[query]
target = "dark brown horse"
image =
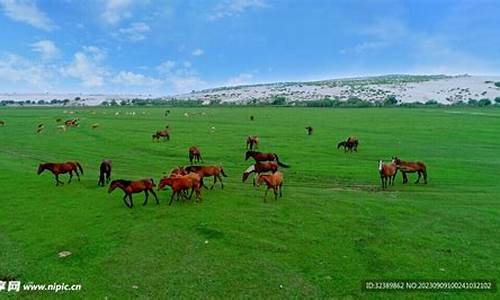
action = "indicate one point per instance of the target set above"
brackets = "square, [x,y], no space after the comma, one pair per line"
[132,187]
[387,173]
[260,156]
[161,133]
[194,154]
[61,168]
[208,171]
[104,172]
[411,167]
[181,184]
[258,168]
[273,181]
[309,130]
[351,144]
[252,142]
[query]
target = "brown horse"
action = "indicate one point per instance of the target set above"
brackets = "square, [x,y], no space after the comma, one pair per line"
[208,171]
[351,144]
[132,187]
[104,172]
[309,130]
[194,154]
[387,173]
[260,167]
[61,168]
[252,142]
[72,122]
[179,171]
[273,181]
[161,133]
[259,156]
[411,167]
[181,184]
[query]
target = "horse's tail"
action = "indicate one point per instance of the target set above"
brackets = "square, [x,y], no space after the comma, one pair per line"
[279,162]
[222,171]
[79,167]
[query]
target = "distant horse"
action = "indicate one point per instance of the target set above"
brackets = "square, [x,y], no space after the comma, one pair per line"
[258,168]
[167,112]
[61,128]
[40,128]
[94,126]
[208,171]
[194,154]
[72,122]
[252,118]
[2,123]
[273,181]
[181,184]
[351,144]
[61,168]
[133,187]
[260,156]
[161,133]
[252,142]
[387,173]
[309,130]
[411,167]
[104,172]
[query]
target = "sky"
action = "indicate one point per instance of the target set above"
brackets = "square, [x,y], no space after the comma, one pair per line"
[170,47]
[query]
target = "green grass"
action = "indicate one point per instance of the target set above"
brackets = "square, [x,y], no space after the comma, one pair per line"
[333,228]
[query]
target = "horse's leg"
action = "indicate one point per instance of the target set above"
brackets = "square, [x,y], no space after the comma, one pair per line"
[58,182]
[145,198]
[191,194]
[220,180]
[281,185]
[265,194]
[405,177]
[125,200]
[154,195]
[70,176]
[382,180]
[419,175]
[425,176]
[275,190]
[171,198]
[131,202]
[203,183]
[77,174]
[215,180]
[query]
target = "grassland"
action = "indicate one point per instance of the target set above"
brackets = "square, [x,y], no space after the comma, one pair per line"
[333,228]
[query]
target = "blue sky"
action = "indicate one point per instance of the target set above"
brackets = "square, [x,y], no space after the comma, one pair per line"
[169,47]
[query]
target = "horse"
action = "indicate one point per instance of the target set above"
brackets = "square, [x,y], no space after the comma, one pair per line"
[94,126]
[2,123]
[72,122]
[61,168]
[260,156]
[309,130]
[132,187]
[411,167]
[252,118]
[179,171]
[161,133]
[252,142]
[194,154]
[61,128]
[387,173]
[207,171]
[273,181]
[259,168]
[40,128]
[104,172]
[182,183]
[349,145]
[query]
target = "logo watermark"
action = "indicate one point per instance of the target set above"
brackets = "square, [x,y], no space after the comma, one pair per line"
[15,286]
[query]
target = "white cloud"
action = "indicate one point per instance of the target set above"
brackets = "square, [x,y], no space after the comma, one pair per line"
[27,12]
[229,8]
[166,66]
[241,79]
[197,52]
[116,10]
[184,84]
[364,47]
[86,67]
[135,32]
[130,78]
[181,77]
[47,49]
[14,68]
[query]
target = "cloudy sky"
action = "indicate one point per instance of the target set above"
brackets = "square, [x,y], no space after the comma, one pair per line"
[168,47]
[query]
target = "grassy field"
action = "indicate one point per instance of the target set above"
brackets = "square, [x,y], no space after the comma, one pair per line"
[333,228]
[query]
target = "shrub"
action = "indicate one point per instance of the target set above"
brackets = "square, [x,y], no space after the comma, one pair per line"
[431,102]
[390,100]
[484,102]
[497,84]
[497,100]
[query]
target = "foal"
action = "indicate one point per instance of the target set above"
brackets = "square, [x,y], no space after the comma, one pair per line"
[132,187]
[387,173]
[104,172]
[273,181]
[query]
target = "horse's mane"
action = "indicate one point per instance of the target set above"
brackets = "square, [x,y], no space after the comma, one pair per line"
[122,181]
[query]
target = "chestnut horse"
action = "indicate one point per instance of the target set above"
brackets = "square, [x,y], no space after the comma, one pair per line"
[387,172]
[194,154]
[349,145]
[133,187]
[259,156]
[259,168]
[252,142]
[104,172]
[411,167]
[181,184]
[208,171]
[161,133]
[273,181]
[61,168]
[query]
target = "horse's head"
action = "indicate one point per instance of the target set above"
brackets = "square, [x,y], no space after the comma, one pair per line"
[340,144]
[380,165]
[396,160]
[163,182]
[113,185]
[249,154]
[41,168]
[245,176]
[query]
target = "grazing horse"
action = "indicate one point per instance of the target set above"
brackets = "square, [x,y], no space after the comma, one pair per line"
[2,123]
[252,142]
[411,167]
[208,171]
[309,130]
[259,168]
[260,156]
[72,122]
[387,173]
[181,184]
[161,133]
[349,145]
[194,154]
[104,172]
[273,181]
[61,168]
[132,187]
[94,126]
[40,128]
